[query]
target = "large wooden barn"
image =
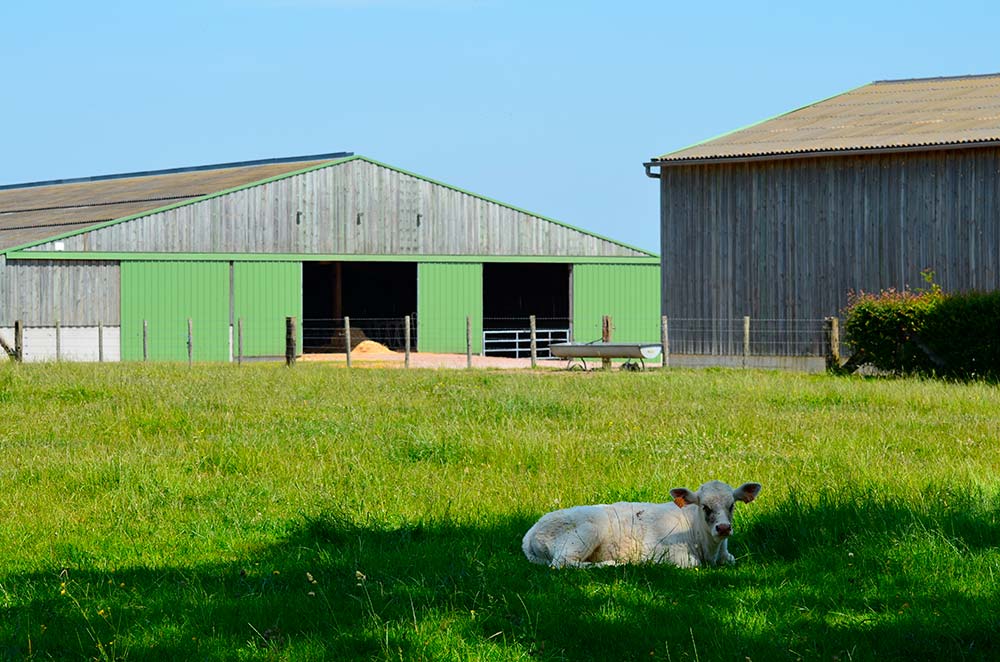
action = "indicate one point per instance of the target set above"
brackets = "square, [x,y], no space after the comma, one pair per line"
[116,266]
[863,191]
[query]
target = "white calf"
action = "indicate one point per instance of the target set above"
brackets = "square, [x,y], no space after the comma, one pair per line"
[690,531]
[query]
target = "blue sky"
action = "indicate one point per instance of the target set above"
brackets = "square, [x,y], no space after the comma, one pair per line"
[549,106]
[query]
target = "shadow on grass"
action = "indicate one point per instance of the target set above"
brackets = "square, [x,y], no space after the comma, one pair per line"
[336,590]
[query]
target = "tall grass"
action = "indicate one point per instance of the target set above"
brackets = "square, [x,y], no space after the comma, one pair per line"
[156,512]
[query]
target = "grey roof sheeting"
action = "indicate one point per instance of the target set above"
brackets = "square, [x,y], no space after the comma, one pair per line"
[884,115]
[35,211]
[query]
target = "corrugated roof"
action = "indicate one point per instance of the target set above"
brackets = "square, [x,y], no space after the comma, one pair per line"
[884,115]
[38,210]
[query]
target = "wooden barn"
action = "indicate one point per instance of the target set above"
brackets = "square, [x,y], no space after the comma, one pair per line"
[122,266]
[862,191]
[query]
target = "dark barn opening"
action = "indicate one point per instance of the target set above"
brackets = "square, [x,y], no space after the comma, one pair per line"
[514,291]
[376,296]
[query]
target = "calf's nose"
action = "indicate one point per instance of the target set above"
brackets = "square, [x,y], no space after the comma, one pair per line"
[724,529]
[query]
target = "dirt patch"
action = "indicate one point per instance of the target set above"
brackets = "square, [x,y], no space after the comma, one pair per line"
[391,359]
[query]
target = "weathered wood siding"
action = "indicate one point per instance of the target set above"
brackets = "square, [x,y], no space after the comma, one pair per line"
[356,207]
[39,292]
[787,240]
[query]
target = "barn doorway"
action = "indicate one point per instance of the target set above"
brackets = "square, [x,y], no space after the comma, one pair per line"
[376,296]
[514,291]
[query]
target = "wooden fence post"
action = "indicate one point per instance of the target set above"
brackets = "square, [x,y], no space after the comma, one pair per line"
[190,342]
[606,333]
[18,341]
[145,340]
[100,342]
[58,342]
[406,341]
[347,338]
[468,341]
[239,341]
[665,342]
[534,341]
[831,337]
[290,338]
[746,340]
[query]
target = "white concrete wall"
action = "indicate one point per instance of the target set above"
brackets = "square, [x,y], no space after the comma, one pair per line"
[76,343]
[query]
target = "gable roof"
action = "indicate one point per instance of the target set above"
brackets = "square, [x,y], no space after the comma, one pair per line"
[890,115]
[36,211]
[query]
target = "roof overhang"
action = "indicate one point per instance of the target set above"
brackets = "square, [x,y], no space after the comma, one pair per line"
[819,154]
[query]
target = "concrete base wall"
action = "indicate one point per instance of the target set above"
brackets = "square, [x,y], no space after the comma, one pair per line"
[76,343]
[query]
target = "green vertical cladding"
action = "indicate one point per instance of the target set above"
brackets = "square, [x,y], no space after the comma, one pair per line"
[264,294]
[446,295]
[630,293]
[166,295]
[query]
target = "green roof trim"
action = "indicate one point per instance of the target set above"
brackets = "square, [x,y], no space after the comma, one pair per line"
[330,164]
[656,159]
[331,257]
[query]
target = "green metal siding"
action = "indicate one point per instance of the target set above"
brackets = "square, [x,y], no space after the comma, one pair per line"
[264,294]
[446,294]
[166,295]
[629,293]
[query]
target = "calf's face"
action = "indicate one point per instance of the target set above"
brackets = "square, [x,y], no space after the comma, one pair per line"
[715,501]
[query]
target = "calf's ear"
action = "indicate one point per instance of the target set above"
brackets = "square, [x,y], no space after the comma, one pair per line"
[747,492]
[683,496]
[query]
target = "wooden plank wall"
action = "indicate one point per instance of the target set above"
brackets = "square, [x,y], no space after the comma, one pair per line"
[353,208]
[787,240]
[39,292]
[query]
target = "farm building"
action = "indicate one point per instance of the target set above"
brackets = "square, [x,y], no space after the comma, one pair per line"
[862,191]
[115,267]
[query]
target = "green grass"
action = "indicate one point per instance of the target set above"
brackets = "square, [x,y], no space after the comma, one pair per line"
[153,512]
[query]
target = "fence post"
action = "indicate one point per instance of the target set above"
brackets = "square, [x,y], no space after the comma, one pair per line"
[347,338]
[468,341]
[406,341]
[534,341]
[290,338]
[606,333]
[831,336]
[665,342]
[190,342]
[746,340]
[58,342]
[239,341]
[100,342]
[18,341]
[145,340]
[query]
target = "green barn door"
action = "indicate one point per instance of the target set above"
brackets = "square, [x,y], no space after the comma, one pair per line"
[166,295]
[446,294]
[264,294]
[630,293]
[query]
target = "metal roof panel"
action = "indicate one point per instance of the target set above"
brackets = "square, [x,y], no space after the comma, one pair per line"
[33,211]
[882,115]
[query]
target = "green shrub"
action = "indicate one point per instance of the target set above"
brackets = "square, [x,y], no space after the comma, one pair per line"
[884,329]
[964,333]
[926,331]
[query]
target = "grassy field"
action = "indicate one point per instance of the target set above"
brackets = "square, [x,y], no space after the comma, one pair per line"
[221,513]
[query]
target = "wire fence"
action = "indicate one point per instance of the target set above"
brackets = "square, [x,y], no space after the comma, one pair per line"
[746,335]
[328,335]
[198,340]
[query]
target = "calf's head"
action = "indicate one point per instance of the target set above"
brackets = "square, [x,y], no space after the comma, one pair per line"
[715,502]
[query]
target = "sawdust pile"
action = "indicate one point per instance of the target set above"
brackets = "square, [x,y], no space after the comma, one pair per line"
[371,347]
